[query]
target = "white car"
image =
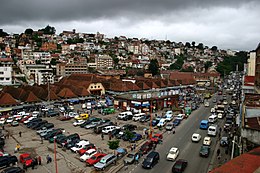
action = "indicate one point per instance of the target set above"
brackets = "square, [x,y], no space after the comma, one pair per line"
[206,104]
[173,154]
[28,120]
[207,141]
[225,102]
[89,153]
[79,145]
[212,110]
[2,121]
[9,120]
[35,113]
[196,137]
[180,116]
[78,122]
[108,129]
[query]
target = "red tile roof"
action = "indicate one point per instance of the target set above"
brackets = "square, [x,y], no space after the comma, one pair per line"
[29,97]
[245,163]
[66,93]
[185,78]
[7,99]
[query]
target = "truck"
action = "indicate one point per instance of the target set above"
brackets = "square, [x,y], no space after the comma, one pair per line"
[220,110]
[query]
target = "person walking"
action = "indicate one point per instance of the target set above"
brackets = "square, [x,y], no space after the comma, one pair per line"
[20,134]
[24,167]
[218,152]
[137,159]
[39,160]
[48,158]
[102,136]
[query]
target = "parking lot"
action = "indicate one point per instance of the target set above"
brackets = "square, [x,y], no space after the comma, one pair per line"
[67,161]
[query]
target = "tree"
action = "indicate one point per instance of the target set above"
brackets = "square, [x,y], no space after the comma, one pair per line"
[28,31]
[187,44]
[178,63]
[154,67]
[193,43]
[129,135]
[207,65]
[48,30]
[2,33]
[113,145]
[214,48]
[53,61]
[200,46]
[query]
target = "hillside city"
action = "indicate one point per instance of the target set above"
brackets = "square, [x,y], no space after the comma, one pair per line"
[126,105]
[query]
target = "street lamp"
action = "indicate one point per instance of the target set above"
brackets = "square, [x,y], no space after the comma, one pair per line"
[233,146]
[55,155]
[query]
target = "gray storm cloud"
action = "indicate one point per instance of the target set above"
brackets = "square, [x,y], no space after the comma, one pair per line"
[226,23]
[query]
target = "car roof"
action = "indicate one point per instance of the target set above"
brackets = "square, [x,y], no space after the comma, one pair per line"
[173,149]
[152,154]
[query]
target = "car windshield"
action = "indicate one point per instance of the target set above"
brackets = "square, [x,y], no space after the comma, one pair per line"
[172,152]
[103,161]
[93,158]
[148,159]
[177,166]
[130,155]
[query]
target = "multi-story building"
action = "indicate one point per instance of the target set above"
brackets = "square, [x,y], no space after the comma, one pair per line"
[251,64]
[44,76]
[63,69]
[257,69]
[104,62]
[6,75]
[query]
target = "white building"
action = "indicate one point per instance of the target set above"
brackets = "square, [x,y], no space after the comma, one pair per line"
[251,64]
[6,75]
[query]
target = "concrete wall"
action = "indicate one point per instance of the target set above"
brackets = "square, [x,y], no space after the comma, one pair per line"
[251,135]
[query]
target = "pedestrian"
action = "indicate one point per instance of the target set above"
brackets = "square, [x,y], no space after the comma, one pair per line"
[137,159]
[48,158]
[102,136]
[7,135]
[18,147]
[24,167]
[41,140]
[33,164]
[36,161]
[154,146]
[39,160]
[110,136]
[218,152]
[3,127]
[220,130]
[126,166]
[134,146]
[20,134]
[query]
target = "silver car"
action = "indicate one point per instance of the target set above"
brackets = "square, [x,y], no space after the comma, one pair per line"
[130,158]
[105,162]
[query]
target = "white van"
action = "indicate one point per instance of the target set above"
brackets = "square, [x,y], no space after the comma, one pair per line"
[137,117]
[109,129]
[124,115]
[212,130]
[213,118]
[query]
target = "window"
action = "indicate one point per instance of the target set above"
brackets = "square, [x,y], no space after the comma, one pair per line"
[1,72]
[1,78]
[7,78]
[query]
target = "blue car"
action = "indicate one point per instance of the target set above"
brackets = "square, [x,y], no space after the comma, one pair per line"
[154,122]
[176,122]
[137,137]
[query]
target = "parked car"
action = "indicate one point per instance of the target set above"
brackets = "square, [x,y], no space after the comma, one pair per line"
[154,122]
[86,148]
[146,147]
[105,162]
[173,154]
[179,166]
[15,123]
[78,122]
[157,138]
[151,160]
[136,137]
[169,126]
[129,127]
[87,154]
[95,158]
[145,118]
[195,137]
[176,122]
[109,129]
[204,151]
[2,121]
[6,161]
[79,145]
[13,170]
[130,158]
[26,159]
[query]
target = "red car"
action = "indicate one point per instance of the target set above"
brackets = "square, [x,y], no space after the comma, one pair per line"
[25,118]
[86,148]
[146,147]
[95,158]
[157,137]
[64,118]
[26,158]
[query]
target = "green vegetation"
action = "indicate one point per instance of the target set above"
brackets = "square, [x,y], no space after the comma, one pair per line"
[113,144]
[48,30]
[2,33]
[154,67]
[230,62]
[178,64]
[207,65]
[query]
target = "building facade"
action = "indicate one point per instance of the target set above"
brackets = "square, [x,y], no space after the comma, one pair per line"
[68,69]
[257,69]
[104,62]
[251,64]
[6,75]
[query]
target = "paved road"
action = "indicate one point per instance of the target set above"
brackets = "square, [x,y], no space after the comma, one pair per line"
[182,140]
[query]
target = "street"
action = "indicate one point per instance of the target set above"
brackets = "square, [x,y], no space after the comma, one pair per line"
[182,140]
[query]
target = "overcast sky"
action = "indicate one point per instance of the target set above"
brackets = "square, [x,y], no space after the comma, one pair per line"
[228,24]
